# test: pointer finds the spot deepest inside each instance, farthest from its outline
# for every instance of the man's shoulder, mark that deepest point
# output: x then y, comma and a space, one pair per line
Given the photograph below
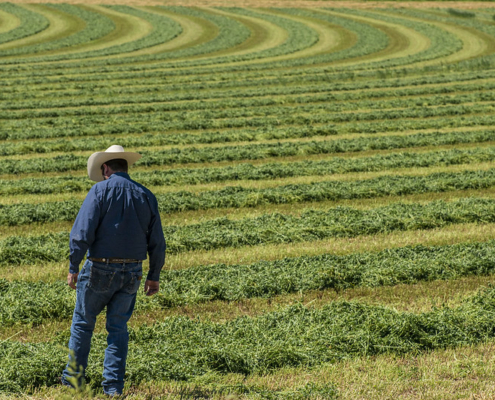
128, 182
140, 186
123, 182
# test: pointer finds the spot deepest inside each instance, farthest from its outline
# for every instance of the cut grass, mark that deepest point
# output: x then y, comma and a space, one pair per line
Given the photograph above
453, 234
258, 163
195, 217
418, 298
403, 41
260, 184
8, 21
447, 374
61, 25
464, 372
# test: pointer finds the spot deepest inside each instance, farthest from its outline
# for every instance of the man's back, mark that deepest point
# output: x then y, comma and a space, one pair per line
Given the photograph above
119, 219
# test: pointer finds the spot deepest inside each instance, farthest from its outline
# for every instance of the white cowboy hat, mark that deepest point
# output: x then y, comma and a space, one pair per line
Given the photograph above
96, 160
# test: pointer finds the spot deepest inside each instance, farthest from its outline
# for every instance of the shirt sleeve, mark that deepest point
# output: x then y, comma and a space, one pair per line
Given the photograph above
156, 244
83, 231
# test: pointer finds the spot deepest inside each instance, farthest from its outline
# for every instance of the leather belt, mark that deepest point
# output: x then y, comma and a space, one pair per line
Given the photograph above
115, 260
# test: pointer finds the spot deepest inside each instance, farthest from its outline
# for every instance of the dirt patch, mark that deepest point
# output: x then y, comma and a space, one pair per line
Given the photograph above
283, 3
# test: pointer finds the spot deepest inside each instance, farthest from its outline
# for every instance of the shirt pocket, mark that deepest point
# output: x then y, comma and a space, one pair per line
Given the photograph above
132, 282
100, 280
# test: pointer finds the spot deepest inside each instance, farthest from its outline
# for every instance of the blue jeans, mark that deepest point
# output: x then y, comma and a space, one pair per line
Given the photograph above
98, 285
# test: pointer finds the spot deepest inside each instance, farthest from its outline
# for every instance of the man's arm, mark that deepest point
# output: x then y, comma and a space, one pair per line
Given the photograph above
82, 234
156, 250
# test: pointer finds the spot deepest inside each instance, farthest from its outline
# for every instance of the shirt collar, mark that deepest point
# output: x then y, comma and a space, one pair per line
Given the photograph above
122, 174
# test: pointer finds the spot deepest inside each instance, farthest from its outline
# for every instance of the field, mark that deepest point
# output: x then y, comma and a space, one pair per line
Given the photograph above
326, 180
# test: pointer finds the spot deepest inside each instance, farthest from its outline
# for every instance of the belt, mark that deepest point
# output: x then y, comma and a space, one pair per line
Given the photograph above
115, 260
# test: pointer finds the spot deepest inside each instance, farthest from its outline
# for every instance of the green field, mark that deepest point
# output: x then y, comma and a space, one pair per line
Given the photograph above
325, 177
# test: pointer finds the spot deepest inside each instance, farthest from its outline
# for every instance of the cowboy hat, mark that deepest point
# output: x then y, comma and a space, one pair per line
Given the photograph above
96, 160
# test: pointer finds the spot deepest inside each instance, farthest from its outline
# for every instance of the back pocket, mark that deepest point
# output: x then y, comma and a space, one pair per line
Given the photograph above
100, 280
132, 282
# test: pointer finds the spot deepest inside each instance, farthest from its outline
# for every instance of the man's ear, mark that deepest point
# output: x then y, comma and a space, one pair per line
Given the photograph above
104, 169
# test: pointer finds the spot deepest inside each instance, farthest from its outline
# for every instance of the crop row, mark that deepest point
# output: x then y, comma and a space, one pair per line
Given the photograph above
62, 128
95, 26
273, 228
254, 107
189, 176
37, 302
416, 117
441, 43
476, 26
31, 23
239, 197
370, 40
173, 156
363, 30
227, 86
145, 93
231, 33
164, 28
225, 76
292, 337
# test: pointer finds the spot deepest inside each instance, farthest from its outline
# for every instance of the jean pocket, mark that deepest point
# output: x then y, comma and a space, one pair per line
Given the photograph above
132, 285
100, 280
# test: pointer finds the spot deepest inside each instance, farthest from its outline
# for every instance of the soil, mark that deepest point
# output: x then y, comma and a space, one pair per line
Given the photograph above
284, 3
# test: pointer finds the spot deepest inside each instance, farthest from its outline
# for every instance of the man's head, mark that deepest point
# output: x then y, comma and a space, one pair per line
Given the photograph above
111, 166
114, 159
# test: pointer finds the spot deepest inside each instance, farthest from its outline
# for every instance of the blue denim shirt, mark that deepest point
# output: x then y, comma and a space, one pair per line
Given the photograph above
118, 219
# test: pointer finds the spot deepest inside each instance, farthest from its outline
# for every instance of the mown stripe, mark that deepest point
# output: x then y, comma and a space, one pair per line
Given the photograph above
239, 197
37, 302
267, 171
311, 225
293, 336
61, 163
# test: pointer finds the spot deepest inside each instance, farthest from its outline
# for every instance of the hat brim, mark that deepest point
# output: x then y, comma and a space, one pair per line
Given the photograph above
96, 160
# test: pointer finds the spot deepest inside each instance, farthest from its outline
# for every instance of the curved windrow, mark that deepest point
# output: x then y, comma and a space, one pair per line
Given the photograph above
26, 23
265, 133
86, 27
108, 31
9, 22
385, 41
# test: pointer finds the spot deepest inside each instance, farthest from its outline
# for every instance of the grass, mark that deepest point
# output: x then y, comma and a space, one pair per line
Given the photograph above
228, 347
452, 234
310, 157
418, 298
8, 21
403, 41
195, 217
61, 25
461, 371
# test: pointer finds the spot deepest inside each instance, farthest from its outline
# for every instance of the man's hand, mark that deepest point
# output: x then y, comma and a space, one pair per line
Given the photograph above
72, 280
151, 287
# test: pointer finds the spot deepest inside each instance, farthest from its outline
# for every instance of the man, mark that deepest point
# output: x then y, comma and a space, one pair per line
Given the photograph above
117, 225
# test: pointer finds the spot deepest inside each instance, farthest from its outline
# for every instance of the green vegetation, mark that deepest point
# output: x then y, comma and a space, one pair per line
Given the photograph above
314, 168
311, 225
336, 165
35, 303
293, 336
31, 23
189, 155
239, 197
